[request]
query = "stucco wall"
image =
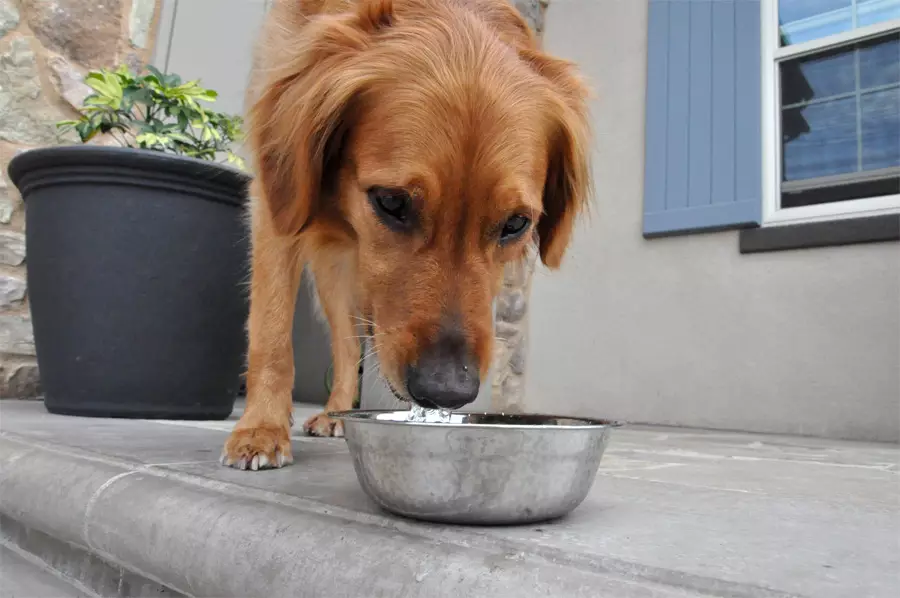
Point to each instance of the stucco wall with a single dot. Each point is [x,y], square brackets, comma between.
[687,330]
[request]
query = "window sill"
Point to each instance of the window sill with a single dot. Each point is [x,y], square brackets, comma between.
[850,231]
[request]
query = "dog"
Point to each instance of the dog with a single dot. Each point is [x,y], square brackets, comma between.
[404,152]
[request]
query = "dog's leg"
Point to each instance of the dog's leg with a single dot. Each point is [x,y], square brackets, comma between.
[261,439]
[335,289]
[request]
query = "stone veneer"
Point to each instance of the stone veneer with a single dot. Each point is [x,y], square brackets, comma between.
[46,46]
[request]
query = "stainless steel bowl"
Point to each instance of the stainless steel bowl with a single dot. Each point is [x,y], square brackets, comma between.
[478,468]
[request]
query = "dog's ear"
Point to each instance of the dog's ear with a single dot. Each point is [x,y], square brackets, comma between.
[567,188]
[298,121]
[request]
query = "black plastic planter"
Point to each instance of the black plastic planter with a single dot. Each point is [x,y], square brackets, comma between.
[137,264]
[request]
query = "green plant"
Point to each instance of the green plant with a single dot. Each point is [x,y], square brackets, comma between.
[156,111]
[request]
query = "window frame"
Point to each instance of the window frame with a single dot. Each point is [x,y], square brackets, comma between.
[772,55]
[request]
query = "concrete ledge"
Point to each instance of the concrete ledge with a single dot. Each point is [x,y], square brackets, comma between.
[24,575]
[79,566]
[134,508]
[203,538]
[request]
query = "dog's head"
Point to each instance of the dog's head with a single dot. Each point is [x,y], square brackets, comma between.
[442,147]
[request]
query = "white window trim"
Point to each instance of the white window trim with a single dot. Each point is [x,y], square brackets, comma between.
[772,54]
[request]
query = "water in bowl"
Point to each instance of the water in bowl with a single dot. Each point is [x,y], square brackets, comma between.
[420,414]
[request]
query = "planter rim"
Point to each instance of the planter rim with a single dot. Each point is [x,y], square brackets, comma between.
[201,173]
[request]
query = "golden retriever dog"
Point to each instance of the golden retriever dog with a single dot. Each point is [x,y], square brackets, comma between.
[404,151]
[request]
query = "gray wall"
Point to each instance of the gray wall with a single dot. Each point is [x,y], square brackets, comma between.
[211,40]
[687,330]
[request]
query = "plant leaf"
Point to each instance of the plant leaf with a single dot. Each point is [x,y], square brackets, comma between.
[147,138]
[155,73]
[85,131]
[138,95]
[181,137]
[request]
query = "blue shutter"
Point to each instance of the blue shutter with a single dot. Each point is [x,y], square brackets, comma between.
[703,164]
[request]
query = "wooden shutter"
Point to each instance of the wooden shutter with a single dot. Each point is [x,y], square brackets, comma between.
[703,165]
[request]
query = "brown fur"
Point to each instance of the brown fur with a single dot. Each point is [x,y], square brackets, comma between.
[449,99]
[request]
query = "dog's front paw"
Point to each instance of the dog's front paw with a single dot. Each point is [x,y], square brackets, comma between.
[322,425]
[258,447]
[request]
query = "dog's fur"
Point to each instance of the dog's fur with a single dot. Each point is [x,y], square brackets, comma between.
[451,100]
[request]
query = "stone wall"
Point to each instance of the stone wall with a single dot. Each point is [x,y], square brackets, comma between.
[46,46]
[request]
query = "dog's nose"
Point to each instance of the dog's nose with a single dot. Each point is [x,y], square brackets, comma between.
[445,376]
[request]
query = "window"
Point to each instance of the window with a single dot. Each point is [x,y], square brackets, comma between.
[831,109]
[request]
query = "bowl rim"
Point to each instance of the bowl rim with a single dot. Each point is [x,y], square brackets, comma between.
[367,416]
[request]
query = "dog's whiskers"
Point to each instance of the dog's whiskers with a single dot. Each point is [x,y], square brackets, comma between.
[346,338]
[364,320]
[376,378]
[373,351]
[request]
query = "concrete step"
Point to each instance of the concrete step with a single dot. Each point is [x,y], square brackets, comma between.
[26,577]
[139,509]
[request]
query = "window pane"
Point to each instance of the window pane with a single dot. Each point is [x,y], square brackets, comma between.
[840,123]
[829,145]
[807,20]
[869,12]
[818,77]
[881,129]
[879,62]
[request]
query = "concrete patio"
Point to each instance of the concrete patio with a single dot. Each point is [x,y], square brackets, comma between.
[139,508]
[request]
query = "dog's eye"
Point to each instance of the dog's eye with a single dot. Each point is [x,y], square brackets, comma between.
[392,205]
[514,227]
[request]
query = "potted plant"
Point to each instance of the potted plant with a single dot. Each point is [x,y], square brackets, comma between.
[138,254]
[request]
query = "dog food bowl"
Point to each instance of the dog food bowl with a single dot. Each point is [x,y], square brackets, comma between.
[475,468]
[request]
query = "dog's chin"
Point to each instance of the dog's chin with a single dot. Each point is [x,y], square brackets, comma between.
[397,394]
